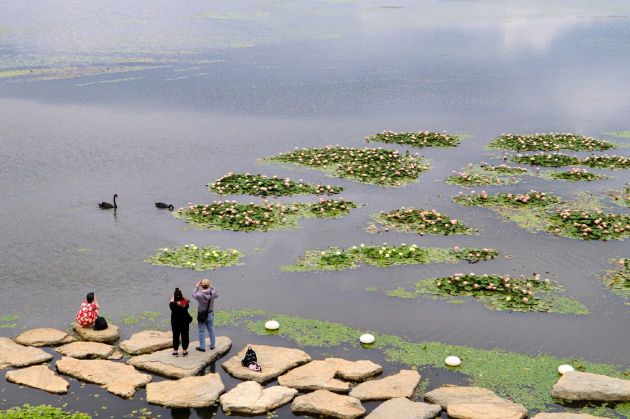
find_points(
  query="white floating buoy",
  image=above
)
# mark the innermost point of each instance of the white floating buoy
(272, 325)
(367, 338)
(564, 368)
(452, 361)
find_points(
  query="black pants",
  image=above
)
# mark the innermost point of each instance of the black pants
(180, 330)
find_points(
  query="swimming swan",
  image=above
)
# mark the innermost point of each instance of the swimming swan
(163, 205)
(107, 205)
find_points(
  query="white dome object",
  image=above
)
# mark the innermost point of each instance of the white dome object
(272, 325)
(564, 368)
(367, 338)
(452, 361)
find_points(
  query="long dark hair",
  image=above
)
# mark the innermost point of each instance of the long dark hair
(177, 295)
(89, 297)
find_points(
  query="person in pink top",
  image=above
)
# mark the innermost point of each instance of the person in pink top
(88, 312)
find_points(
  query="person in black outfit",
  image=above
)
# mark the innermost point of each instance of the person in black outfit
(180, 319)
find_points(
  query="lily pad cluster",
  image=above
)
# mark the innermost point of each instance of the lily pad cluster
(576, 175)
(503, 169)
(485, 176)
(546, 159)
(261, 185)
(529, 199)
(590, 224)
(196, 258)
(549, 142)
(232, 215)
(619, 280)
(383, 256)
(416, 139)
(368, 165)
(607, 162)
(502, 292)
(423, 221)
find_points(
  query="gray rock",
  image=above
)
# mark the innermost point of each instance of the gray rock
(327, 403)
(189, 392)
(577, 385)
(402, 384)
(105, 336)
(316, 375)
(355, 370)
(167, 365)
(250, 398)
(475, 403)
(447, 395)
(485, 411)
(40, 377)
(44, 336)
(15, 355)
(146, 342)
(274, 361)
(84, 350)
(402, 408)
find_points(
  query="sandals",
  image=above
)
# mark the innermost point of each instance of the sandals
(174, 353)
(184, 353)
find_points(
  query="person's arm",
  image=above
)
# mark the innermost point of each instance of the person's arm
(215, 293)
(196, 293)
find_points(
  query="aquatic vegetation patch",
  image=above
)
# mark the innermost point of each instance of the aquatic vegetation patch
(476, 176)
(549, 142)
(607, 162)
(590, 224)
(529, 199)
(421, 221)
(619, 134)
(621, 197)
(619, 280)
(153, 320)
(28, 411)
(9, 321)
(575, 175)
(546, 159)
(503, 169)
(368, 165)
(502, 293)
(335, 259)
(261, 185)
(231, 215)
(196, 258)
(416, 139)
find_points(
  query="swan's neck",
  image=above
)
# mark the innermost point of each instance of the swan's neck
(115, 206)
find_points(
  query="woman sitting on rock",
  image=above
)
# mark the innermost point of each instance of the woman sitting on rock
(180, 319)
(88, 312)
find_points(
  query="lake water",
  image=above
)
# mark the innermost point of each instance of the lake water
(153, 100)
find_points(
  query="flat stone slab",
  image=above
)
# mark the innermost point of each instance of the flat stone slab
(565, 415)
(105, 336)
(355, 370)
(89, 350)
(578, 385)
(44, 336)
(250, 398)
(327, 403)
(165, 364)
(40, 377)
(146, 342)
(189, 392)
(316, 375)
(402, 384)
(15, 355)
(475, 403)
(116, 377)
(403, 408)
(274, 361)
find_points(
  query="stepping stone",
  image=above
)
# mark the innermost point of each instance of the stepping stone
(316, 375)
(475, 403)
(189, 392)
(250, 398)
(44, 336)
(578, 385)
(165, 364)
(565, 415)
(105, 336)
(116, 377)
(146, 342)
(327, 403)
(89, 350)
(402, 384)
(40, 377)
(15, 355)
(402, 408)
(355, 370)
(274, 361)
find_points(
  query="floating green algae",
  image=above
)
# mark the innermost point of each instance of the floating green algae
(416, 139)
(619, 134)
(574, 175)
(383, 256)
(261, 185)
(28, 411)
(423, 221)
(9, 321)
(231, 215)
(376, 166)
(549, 142)
(621, 197)
(196, 258)
(618, 280)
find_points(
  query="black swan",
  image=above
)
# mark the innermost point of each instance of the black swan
(163, 205)
(107, 205)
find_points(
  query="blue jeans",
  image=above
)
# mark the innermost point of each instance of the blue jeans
(209, 324)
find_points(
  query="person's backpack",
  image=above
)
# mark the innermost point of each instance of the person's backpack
(100, 323)
(249, 358)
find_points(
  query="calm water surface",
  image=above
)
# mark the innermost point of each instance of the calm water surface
(153, 100)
